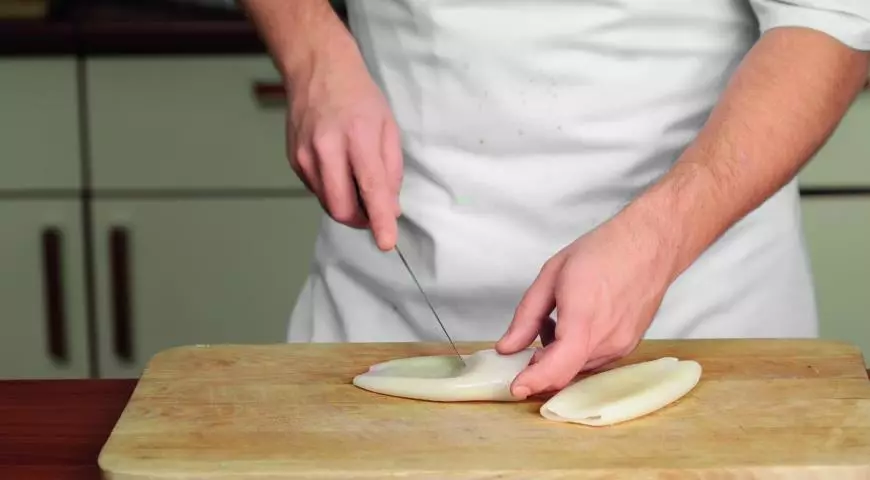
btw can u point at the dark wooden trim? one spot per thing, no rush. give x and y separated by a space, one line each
170 38
29 38
128 27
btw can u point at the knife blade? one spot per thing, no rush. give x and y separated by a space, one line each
426 297
362 206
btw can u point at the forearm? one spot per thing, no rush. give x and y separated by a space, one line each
300 34
783 102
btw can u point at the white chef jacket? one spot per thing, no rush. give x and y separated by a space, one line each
526 124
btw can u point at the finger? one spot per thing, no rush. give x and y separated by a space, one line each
535 306
300 156
336 180
368 169
305 166
553 368
392 154
562 359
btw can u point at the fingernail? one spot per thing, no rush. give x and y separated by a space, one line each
521 392
501 344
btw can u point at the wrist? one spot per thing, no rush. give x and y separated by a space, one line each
333 47
671 221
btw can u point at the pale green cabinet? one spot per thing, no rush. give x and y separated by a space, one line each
197 271
844 161
202 232
184 123
43 332
836 211
39 134
190 222
838 237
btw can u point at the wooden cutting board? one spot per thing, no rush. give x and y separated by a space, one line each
763 409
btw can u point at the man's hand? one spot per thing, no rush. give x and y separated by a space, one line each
341 134
606 287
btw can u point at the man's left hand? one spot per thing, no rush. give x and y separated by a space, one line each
606 288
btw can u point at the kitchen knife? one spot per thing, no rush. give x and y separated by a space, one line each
413 277
426 297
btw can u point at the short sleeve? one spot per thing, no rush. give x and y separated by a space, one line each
846 20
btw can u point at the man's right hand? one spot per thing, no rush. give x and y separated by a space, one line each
341 135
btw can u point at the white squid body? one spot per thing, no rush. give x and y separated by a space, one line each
486 376
605 398
623 393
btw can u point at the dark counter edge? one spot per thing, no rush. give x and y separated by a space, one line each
202 37
178 33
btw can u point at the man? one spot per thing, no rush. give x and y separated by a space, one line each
629 164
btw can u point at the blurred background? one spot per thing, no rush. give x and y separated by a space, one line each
146 202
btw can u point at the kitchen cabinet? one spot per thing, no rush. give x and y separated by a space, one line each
39 130
837 232
43 333
197 271
180 122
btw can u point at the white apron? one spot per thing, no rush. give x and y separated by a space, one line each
524 125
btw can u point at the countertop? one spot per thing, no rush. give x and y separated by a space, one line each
128 27
54 429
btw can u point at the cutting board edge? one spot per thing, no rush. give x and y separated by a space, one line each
847 347
849 471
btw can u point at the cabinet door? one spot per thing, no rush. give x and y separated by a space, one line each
43 332
197 271
838 236
844 161
39 137
187 123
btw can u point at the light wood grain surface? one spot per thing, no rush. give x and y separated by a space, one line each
763 409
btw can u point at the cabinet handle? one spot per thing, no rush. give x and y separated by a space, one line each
119 258
52 279
270 92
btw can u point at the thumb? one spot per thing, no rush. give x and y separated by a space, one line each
534 308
